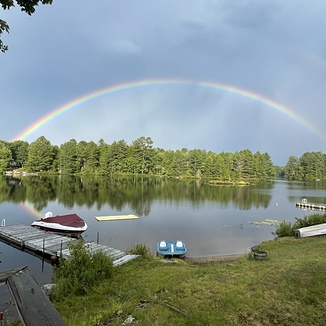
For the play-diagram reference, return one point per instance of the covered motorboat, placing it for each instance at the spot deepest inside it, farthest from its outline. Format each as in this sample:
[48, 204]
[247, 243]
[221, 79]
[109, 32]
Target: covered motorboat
[70, 223]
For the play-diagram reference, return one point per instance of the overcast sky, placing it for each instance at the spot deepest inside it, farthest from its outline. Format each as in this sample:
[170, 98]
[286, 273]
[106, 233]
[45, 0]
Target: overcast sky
[273, 49]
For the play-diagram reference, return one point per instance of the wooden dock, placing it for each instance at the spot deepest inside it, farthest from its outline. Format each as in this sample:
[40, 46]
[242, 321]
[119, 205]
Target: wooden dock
[311, 206]
[34, 307]
[48, 244]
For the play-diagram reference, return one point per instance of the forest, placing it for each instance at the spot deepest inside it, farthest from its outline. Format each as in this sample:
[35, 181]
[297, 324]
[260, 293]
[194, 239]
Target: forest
[142, 158]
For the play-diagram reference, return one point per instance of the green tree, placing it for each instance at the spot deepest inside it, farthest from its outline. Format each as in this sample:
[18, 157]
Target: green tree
[104, 157]
[313, 166]
[180, 163]
[242, 164]
[69, 161]
[166, 165]
[40, 155]
[25, 5]
[5, 158]
[142, 151]
[81, 154]
[293, 169]
[19, 150]
[196, 160]
[225, 161]
[117, 157]
[210, 165]
[262, 167]
[158, 160]
[92, 157]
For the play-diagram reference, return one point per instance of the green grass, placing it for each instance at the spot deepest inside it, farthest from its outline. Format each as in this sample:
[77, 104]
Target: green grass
[288, 288]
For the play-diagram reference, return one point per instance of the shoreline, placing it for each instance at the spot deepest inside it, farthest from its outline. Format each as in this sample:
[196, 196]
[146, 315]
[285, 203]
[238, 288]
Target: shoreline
[217, 258]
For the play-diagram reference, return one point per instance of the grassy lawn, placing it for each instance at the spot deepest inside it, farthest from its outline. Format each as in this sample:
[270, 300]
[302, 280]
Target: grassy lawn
[288, 288]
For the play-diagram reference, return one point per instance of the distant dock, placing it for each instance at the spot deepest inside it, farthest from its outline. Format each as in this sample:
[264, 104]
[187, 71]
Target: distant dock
[304, 204]
[49, 245]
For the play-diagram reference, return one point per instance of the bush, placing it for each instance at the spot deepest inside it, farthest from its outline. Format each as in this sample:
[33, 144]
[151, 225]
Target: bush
[313, 219]
[78, 274]
[284, 229]
[141, 250]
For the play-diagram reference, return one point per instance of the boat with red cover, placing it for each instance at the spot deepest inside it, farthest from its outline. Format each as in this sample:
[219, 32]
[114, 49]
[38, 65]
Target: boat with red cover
[70, 223]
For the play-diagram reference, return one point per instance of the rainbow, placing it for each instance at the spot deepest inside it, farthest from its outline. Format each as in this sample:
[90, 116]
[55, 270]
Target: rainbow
[151, 82]
[28, 207]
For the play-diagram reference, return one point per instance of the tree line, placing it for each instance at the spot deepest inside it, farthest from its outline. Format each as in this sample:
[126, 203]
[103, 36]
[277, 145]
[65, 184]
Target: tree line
[142, 158]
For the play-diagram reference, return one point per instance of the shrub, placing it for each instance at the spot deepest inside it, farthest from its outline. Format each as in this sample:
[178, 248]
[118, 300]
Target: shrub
[141, 250]
[309, 220]
[78, 274]
[284, 229]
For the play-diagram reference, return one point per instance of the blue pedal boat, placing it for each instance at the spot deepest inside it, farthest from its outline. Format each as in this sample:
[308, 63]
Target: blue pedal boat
[171, 249]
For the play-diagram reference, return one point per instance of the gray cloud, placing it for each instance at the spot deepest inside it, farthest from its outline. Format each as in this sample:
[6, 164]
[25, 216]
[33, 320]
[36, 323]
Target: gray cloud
[272, 48]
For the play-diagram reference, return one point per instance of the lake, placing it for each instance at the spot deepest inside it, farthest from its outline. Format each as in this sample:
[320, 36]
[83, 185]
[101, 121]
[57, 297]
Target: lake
[211, 220]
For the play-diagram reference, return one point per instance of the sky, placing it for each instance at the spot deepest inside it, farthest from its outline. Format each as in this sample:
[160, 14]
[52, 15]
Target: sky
[221, 76]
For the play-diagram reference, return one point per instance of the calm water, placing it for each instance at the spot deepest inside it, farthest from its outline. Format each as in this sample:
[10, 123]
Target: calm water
[211, 220]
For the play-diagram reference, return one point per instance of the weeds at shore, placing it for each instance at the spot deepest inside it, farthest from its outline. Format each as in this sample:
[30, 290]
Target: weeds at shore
[80, 273]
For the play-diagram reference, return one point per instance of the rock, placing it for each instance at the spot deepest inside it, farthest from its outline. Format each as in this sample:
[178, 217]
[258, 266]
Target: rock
[129, 320]
[48, 289]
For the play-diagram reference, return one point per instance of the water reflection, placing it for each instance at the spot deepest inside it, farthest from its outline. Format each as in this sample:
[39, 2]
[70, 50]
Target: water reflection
[138, 193]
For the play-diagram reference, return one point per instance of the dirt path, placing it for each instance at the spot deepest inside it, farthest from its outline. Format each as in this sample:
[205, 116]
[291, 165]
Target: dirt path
[208, 259]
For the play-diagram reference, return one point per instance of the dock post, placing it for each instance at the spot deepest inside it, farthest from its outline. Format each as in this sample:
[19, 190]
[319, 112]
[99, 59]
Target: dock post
[98, 237]
[43, 246]
[1, 319]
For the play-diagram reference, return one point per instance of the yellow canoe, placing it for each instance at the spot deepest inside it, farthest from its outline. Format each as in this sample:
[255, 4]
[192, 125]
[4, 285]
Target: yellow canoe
[116, 217]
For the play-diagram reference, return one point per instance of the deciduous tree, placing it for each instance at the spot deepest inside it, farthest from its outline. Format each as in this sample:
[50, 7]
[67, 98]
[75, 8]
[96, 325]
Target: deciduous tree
[25, 5]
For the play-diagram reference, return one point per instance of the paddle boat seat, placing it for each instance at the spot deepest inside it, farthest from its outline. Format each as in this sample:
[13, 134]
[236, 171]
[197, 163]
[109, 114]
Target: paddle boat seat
[163, 246]
[179, 245]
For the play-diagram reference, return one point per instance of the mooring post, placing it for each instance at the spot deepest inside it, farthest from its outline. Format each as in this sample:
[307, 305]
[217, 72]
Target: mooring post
[1, 319]
[43, 245]
[98, 237]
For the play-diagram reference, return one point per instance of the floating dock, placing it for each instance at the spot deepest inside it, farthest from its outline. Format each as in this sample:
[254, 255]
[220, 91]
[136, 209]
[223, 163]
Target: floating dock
[304, 204]
[49, 245]
[116, 217]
